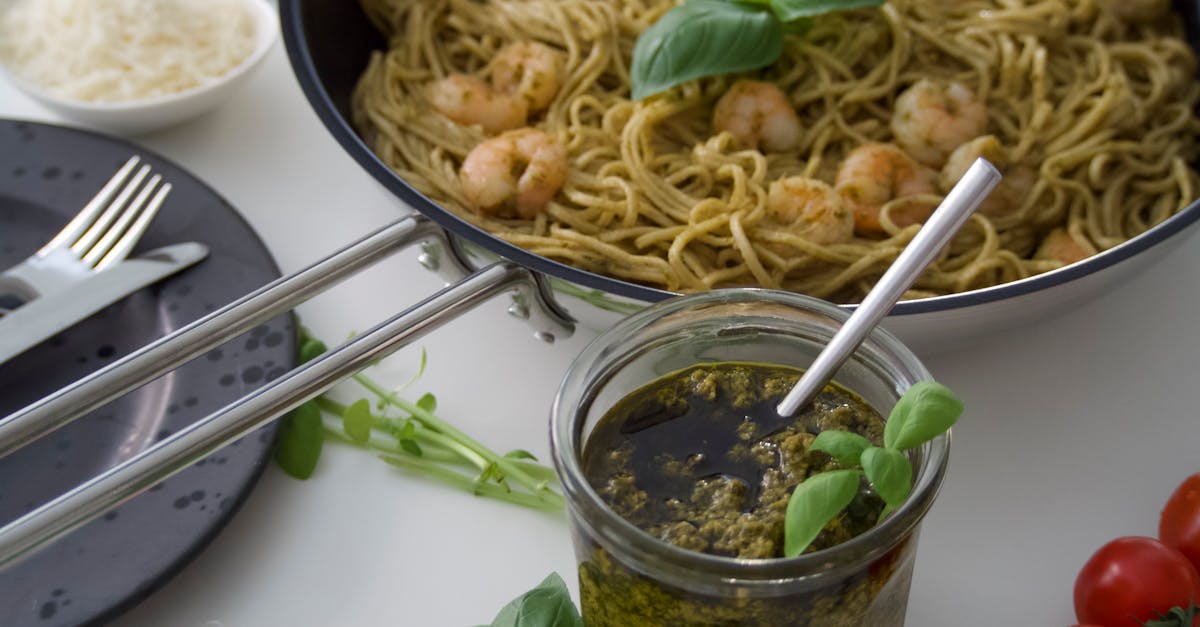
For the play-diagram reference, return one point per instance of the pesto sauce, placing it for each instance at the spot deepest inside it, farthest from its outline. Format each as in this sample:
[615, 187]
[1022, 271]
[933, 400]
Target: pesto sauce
[701, 459]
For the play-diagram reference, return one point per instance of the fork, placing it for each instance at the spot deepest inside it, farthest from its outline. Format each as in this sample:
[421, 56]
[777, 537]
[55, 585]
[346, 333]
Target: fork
[100, 235]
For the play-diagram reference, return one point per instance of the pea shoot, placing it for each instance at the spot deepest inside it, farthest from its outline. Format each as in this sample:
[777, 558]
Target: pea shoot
[409, 435]
[925, 411]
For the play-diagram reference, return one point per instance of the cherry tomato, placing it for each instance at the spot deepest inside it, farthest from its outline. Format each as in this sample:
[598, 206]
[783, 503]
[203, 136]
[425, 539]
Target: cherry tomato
[1179, 526]
[1130, 579]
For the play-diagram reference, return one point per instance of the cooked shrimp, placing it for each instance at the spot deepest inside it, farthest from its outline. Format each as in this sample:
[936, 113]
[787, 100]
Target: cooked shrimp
[1010, 194]
[931, 120]
[986, 147]
[517, 172]
[1060, 246]
[758, 114]
[874, 174]
[811, 209]
[469, 100]
[528, 70]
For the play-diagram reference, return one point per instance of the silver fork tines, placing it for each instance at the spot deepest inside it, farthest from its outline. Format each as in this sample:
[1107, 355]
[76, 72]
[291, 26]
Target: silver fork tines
[105, 216]
[84, 218]
[100, 235]
[119, 240]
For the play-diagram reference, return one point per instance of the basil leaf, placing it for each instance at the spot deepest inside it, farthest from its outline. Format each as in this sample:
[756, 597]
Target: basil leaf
[890, 474]
[357, 421]
[843, 446]
[789, 10]
[298, 443]
[798, 27]
[704, 38]
[813, 504]
[547, 605]
[925, 411]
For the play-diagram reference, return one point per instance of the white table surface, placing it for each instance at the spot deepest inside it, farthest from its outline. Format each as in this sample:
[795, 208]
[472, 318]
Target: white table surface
[1076, 430]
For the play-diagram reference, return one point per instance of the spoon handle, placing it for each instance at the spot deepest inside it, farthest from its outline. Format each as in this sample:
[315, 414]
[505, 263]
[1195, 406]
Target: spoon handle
[958, 205]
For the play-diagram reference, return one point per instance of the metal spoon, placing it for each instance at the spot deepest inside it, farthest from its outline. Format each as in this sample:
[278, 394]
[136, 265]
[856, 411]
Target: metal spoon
[958, 205]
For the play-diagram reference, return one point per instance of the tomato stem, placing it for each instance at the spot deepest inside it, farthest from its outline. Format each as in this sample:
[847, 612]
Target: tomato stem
[1175, 617]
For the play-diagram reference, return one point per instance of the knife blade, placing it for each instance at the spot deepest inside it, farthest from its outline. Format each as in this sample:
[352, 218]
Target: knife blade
[26, 326]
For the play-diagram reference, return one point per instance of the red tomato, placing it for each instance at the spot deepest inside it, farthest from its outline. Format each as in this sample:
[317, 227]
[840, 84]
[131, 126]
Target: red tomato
[1130, 579]
[1179, 526]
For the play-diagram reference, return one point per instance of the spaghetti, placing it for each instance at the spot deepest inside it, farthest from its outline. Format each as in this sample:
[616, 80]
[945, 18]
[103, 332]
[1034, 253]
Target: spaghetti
[1094, 111]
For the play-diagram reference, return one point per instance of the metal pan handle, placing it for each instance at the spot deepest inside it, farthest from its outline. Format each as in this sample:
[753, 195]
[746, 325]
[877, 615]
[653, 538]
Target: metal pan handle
[212, 432]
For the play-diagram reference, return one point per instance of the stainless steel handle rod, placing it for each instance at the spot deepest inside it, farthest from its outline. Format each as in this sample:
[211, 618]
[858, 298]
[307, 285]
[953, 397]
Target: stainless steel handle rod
[168, 353]
[235, 420]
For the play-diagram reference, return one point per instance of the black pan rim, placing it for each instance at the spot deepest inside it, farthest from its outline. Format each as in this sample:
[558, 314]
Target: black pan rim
[302, 66]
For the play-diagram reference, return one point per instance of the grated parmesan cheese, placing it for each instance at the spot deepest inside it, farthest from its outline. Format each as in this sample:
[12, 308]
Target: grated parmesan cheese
[121, 50]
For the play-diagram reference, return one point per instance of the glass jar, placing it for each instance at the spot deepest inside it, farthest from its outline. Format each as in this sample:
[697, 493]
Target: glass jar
[629, 578]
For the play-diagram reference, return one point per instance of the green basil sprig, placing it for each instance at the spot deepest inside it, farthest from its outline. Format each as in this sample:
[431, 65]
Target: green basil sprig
[710, 37]
[813, 504]
[791, 10]
[925, 411]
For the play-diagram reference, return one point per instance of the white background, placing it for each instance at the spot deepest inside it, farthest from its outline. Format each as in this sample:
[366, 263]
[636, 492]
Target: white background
[1076, 430]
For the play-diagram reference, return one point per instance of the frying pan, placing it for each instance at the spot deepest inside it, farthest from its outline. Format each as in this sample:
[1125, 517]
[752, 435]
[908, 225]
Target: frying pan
[329, 44]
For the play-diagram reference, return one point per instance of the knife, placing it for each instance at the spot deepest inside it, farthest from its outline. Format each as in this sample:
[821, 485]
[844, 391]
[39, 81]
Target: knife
[29, 324]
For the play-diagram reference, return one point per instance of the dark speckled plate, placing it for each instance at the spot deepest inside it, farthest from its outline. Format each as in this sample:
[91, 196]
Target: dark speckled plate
[46, 173]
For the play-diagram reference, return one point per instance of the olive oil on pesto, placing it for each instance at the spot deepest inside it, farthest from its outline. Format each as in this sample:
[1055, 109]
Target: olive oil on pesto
[701, 459]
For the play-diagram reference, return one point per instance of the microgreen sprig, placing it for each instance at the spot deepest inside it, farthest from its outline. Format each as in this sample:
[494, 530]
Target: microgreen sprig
[411, 436]
[925, 411]
[710, 37]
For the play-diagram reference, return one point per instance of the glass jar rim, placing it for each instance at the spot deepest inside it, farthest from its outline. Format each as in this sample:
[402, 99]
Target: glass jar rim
[670, 561]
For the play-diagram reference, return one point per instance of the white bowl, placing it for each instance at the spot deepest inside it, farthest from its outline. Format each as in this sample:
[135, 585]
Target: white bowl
[136, 117]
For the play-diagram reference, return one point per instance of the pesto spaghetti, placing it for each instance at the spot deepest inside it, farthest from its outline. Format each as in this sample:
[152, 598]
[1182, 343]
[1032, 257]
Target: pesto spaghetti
[1088, 106]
